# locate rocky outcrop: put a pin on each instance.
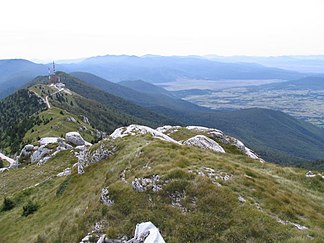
(237, 143)
(167, 129)
(39, 154)
(204, 142)
(101, 153)
(140, 130)
(214, 133)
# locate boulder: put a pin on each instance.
(26, 151)
(204, 142)
(74, 138)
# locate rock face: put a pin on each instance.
(204, 142)
(74, 138)
(138, 129)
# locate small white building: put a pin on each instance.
(60, 85)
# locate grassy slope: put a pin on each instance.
(215, 216)
(58, 126)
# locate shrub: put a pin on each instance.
(29, 208)
(8, 204)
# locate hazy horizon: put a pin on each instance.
(46, 30)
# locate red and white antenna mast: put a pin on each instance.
(54, 73)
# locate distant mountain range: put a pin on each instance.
(157, 69)
(153, 69)
(309, 64)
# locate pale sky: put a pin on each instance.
(66, 29)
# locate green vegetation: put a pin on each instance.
(16, 118)
(8, 204)
(208, 209)
(29, 208)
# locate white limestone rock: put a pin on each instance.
(65, 172)
(138, 129)
(310, 174)
(47, 140)
(204, 142)
(146, 233)
(237, 143)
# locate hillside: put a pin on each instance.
(290, 141)
(139, 92)
(191, 194)
(118, 104)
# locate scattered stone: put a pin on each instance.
(241, 199)
(300, 227)
(105, 198)
(144, 184)
(71, 119)
(213, 175)
(85, 119)
(204, 142)
(176, 198)
(65, 172)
